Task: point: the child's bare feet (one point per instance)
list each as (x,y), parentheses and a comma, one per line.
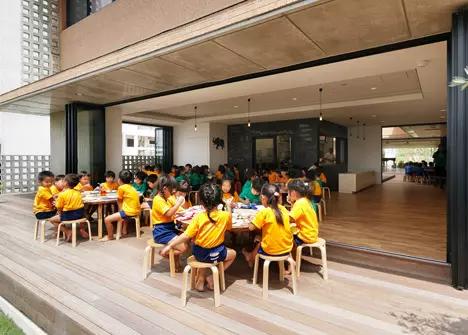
(84,233)
(54,235)
(210,283)
(68,236)
(248,257)
(106,238)
(200,285)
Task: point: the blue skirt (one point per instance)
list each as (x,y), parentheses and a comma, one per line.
(163,233)
(45,215)
(210,255)
(262,252)
(72,215)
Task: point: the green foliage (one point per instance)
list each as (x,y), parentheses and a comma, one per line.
(460,81)
(8,327)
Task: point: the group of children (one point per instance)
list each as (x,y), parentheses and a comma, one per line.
(413,170)
(63,202)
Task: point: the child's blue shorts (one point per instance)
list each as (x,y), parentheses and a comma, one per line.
(72,215)
(298,240)
(262,252)
(163,233)
(46,215)
(209,255)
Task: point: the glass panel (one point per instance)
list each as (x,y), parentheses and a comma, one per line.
(283,149)
(159,145)
(327,150)
(91,143)
(77,10)
(411,132)
(265,153)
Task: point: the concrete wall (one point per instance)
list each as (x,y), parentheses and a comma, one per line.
(125,22)
(218,156)
(10,45)
(366,155)
(57,142)
(113,139)
(192,146)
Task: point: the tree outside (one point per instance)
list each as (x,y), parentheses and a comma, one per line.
(409,154)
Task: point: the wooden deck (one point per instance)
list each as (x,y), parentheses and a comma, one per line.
(401,218)
(96,288)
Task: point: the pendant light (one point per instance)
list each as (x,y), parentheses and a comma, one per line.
(248,111)
(364,130)
(351,128)
(320,90)
(358,129)
(195,111)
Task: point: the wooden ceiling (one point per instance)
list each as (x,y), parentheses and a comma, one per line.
(321,30)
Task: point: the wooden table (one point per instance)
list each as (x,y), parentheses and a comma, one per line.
(99,201)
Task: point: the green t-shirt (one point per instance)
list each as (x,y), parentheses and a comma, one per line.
(140,188)
(314,205)
(202,178)
(231,174)
(439,158)
(247,194)
(180,177)
(195,179)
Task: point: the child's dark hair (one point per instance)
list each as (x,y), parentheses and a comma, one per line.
(249,173)
(301,187)
(174,167)
(311,174)
(183,186)
(292,173)
(188,165)
(210,197)
(158,167)
(83,174)
(272,193)
(110,174)
(222,169)
(166,181)
(148,168)
(257,184)
(197,170)
(44,174)
(231,181)
(177,171)
(152,178)
(59,177)
(141,175)
(72,180)
(126,176)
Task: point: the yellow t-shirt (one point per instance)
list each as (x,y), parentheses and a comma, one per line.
(206,234)
(160,208)
(276,238)
(78,187)
(43,200)
(219,175)
(273,177)
(158,174)
(282,179)
(54,190)
(172,200)
(110,187)
(130,199)
(323,178)
(150,173)
(235,197)
(317,188)
(82,188)
(306,220)
(69,200)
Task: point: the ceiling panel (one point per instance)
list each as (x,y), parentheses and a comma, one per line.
(213,61)
(347,25)
(272,44)
(132,78)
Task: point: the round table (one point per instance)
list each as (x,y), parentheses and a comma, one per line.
(99,201)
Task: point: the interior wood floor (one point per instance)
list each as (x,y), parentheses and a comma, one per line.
(99,286)
(403,218)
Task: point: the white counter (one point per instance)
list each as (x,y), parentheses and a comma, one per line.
(353,182)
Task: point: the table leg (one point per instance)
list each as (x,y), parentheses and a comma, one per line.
(100,219)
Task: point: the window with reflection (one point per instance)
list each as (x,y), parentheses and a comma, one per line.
(332,150)
(78,10)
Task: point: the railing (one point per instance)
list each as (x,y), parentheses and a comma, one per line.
(134,163)
(18,173)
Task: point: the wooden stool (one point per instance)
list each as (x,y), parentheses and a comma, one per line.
(324,191)
(266,265)
(324,205)
(73,223)
(321,244)
(137,223)
(149,259)
(218,276)
(147,215)
(319,211)
(42,227)
(194,198)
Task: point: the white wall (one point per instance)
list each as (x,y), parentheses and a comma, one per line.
(218,156)
(366,155)
(192,146)
(57,142)
(10,45)
(113,139)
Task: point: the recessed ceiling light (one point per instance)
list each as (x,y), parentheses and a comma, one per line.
(373,88)
(374,115)
(382,121)
(294,99)
(236,106)
(443,110)
(79,94)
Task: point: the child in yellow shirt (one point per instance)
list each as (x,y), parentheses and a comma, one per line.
(207,230)
(311,178)
(58,185)
(273,220)
(182,190)
(229,194)
(283,178)
(302,212)
(43,201)
(158,170)
(84,182)
(129,205)
(69,205)
(110,184)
